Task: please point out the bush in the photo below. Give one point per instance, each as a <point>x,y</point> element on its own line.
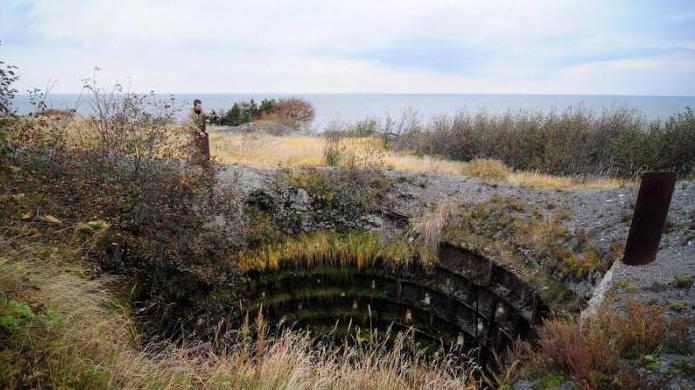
<point>592,353</point>
<point>300,110</point>
<point>163,223</point>
<point>356,146</point>
<point>295,112</point>
<point>619,143</point>
<point>7,91</point>
<point>488,169</point>
<point>233,117</point>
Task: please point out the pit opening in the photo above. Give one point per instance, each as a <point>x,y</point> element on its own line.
<point>463,301</point>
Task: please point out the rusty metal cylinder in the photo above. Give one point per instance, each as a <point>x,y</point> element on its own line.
<point>651,209</point>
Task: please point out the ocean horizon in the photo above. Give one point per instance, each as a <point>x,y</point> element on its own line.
<point>346,108</point>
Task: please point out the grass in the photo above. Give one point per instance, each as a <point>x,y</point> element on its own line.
<point>487,169</point>
<point>540,180</point>
<point>356,248</point>
<point>266,151</point>
<point>61,329</point>
<point>262,150</point>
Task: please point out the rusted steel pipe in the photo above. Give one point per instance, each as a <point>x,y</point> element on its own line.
<point>651,209</point>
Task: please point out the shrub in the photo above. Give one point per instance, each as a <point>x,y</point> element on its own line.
<point>300,110</point>
<point>163,223</point>
<point>8,77</point>
<point>618,142</point>
<point>488,169</point>
<point>233,116</point>
<point>294,112</point>
<point>592,353</point>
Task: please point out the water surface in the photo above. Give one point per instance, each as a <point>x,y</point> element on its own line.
<point>352,107</point>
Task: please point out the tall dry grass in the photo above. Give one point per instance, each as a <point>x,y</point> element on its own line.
<point>267,151</point>
<point>429,229</point>
<point>91,342</point>
<point>353,248</point>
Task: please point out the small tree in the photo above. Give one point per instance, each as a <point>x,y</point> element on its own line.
<point>253,110</point>
<point>233,117</point>
<point>245,112</point>
<point>266,106</point>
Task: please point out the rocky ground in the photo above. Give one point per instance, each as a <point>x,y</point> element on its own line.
<point>605,214</point>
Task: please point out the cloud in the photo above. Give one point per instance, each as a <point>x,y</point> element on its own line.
<point>357,46</point>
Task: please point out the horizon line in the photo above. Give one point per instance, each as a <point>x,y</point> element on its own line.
<point>381,93</point>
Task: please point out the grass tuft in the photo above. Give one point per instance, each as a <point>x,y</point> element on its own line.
<point>488,169</point>
<point>355,248</point>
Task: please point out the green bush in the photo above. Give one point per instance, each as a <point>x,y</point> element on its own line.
<point>620,143</point>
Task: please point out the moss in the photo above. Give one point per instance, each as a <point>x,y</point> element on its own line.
<point>678,306</point>
<point>550,380</point>
<point>13,314</point>
<point>683,281</point>
<point>621,284</point>
<point>649,362</point>
<point>686,367</point>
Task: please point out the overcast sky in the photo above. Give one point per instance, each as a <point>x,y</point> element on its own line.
<point>428,46</point>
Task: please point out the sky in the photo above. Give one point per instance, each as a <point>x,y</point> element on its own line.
<point>615,47</point>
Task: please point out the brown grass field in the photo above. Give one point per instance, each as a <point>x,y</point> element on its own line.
<point>262,150</point>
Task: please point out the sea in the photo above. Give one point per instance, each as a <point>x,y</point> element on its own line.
<point>348,108</point>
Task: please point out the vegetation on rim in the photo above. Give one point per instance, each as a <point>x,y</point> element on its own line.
<point>355,248</point>
<point>537,246</point>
